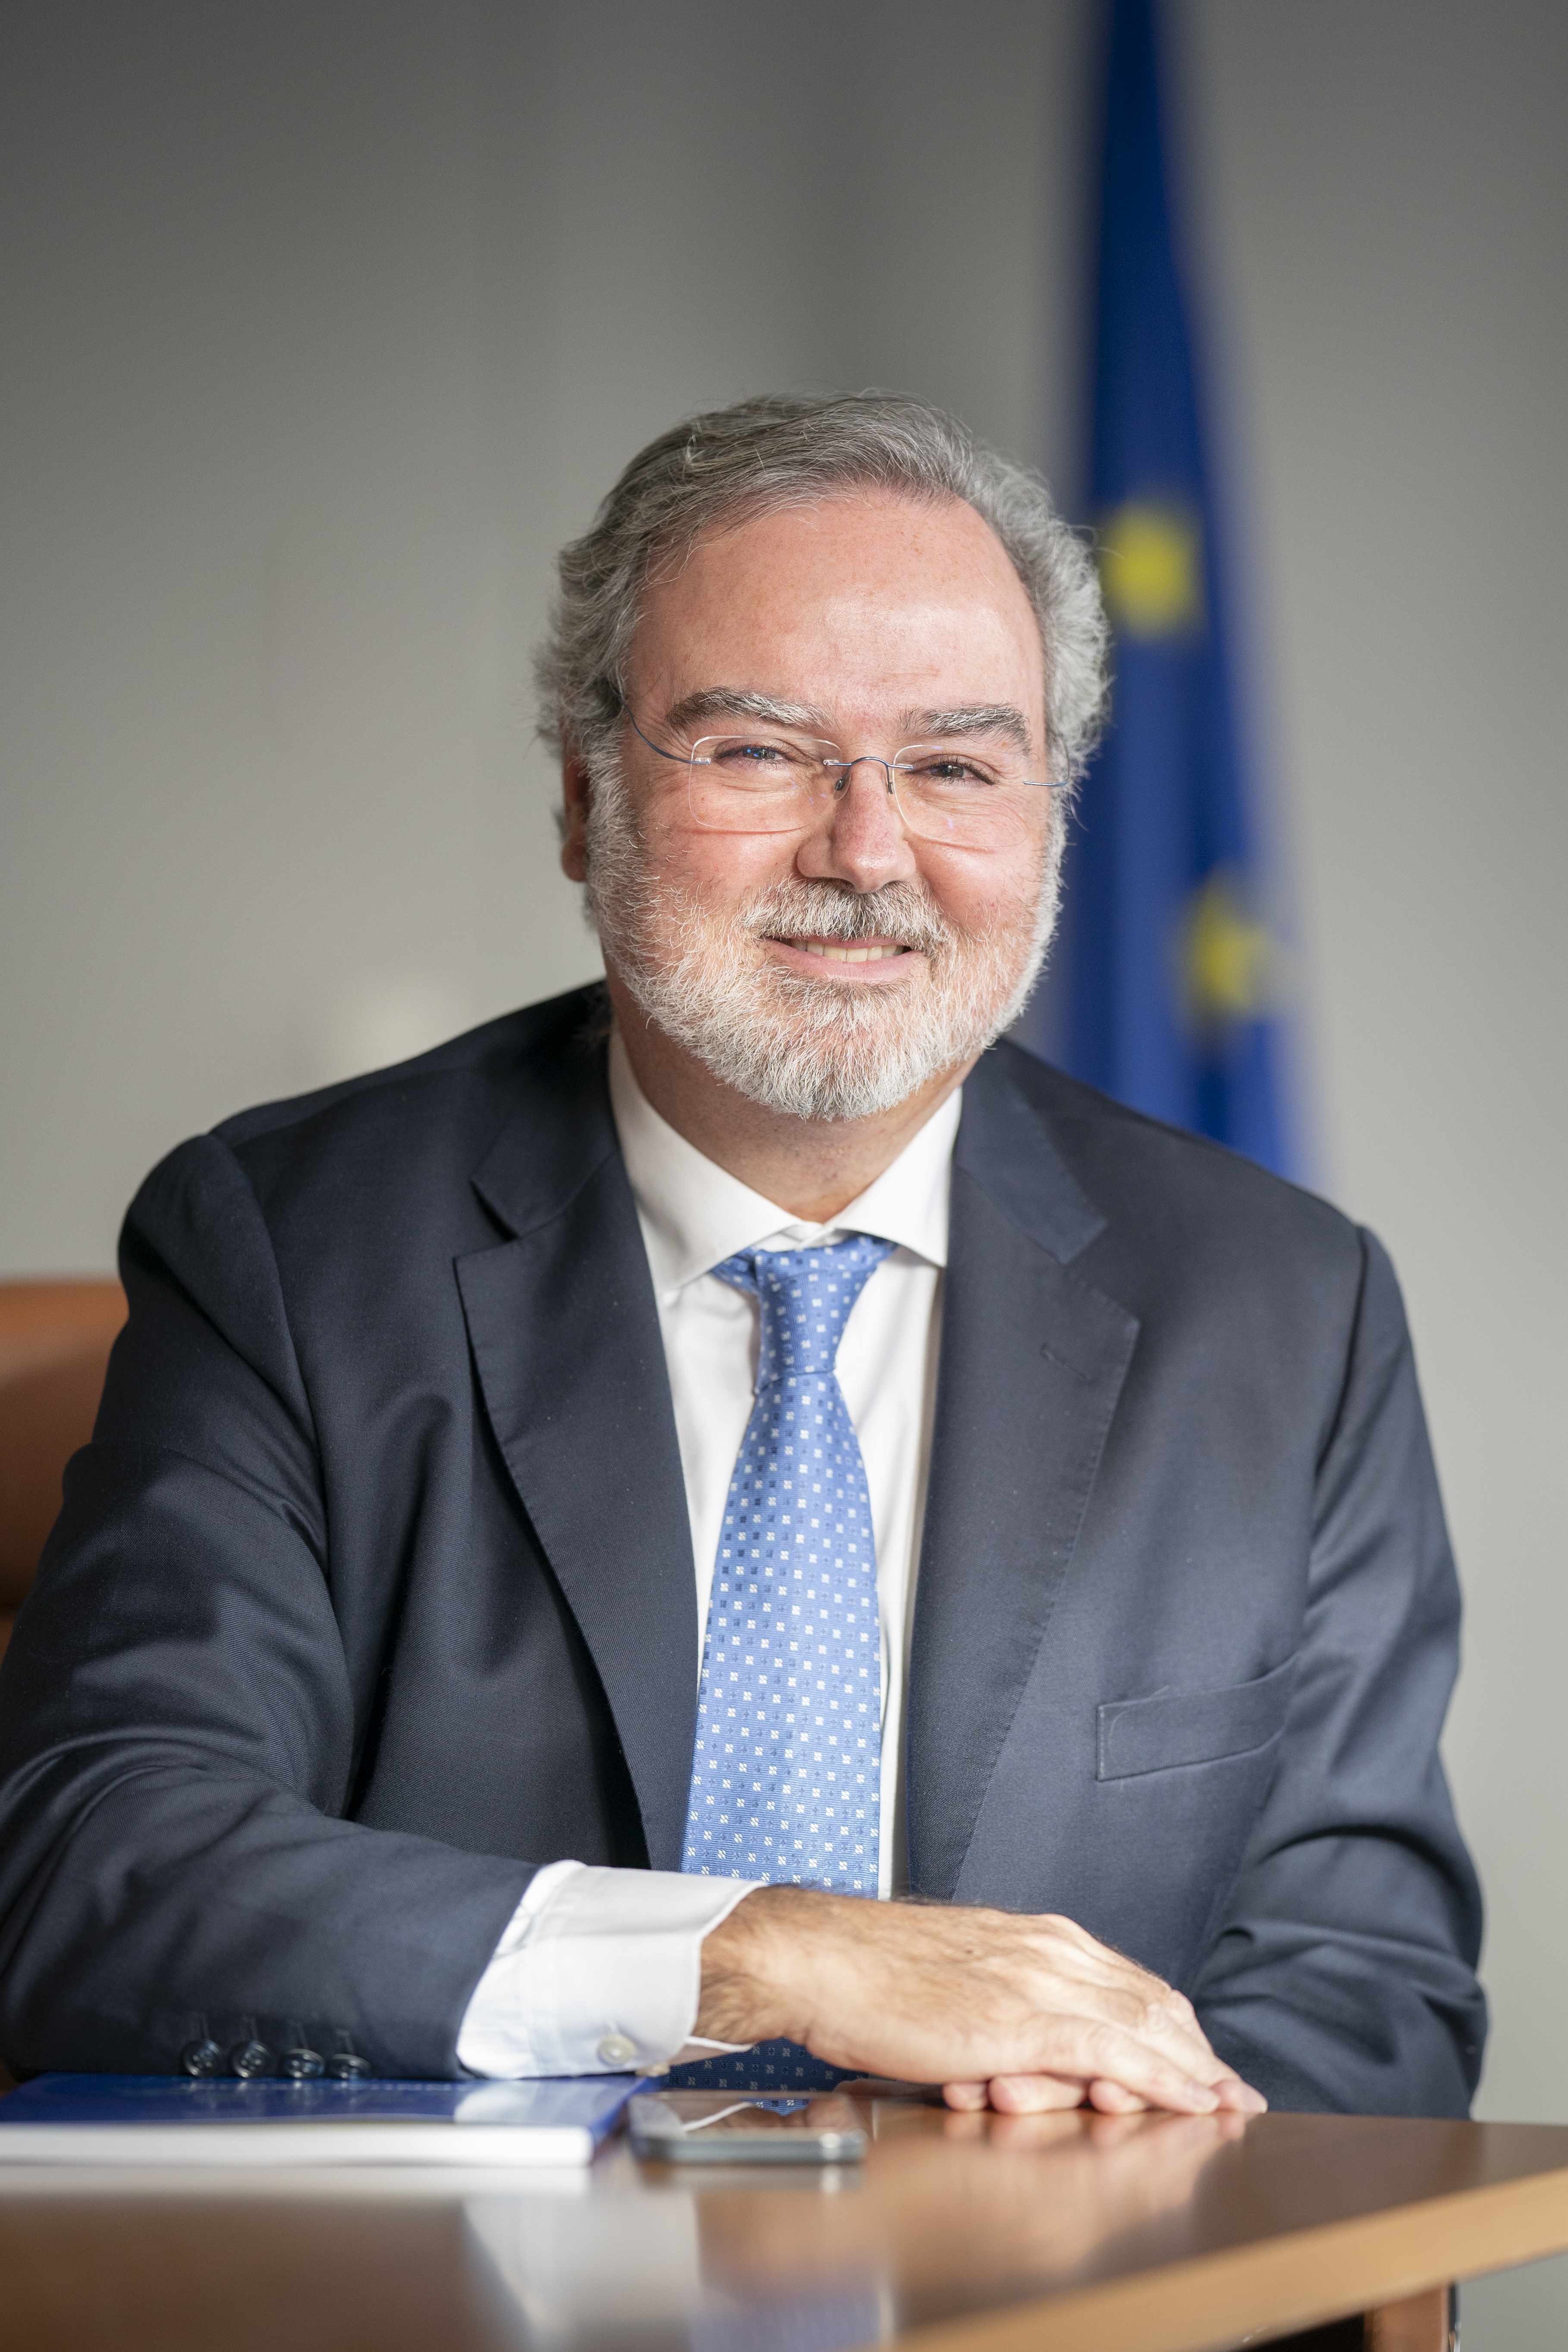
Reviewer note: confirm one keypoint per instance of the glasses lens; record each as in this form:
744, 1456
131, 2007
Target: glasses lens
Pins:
763, 782
969, 799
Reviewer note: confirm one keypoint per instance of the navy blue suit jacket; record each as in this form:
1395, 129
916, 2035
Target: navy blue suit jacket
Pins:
374, 1591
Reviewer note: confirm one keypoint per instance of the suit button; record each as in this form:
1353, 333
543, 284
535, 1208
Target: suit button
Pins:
203, 2057
303, 2065
614, 2049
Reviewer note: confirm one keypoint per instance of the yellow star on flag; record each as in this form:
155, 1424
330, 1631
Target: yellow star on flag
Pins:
1149, 570
1229, 961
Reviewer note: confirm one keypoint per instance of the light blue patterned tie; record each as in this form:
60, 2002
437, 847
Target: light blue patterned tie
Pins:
786, 1772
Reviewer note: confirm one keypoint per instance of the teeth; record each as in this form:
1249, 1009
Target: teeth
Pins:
848, 955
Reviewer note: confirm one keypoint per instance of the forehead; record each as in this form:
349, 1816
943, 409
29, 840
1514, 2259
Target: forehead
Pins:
858, 605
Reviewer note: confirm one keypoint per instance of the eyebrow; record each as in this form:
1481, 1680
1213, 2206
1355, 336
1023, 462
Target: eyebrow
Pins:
739, 702
974, 718
1002, 718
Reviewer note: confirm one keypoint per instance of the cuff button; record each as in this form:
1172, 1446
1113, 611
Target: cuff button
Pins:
614, 2049
250, 2059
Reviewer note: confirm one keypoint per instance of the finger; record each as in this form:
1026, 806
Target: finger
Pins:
1081, 1974
964, 2096
1239, 2098
1183, 2042
1179, 2041
1034, 2094
1098, 2051
1113, 2099
1168, 2021
1142, 2001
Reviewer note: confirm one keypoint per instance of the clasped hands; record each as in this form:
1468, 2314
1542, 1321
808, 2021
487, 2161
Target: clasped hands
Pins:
1017, 2012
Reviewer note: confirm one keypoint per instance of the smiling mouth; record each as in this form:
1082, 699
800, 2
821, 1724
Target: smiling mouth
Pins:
846, 950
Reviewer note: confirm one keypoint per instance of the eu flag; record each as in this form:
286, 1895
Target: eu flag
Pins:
1171, 971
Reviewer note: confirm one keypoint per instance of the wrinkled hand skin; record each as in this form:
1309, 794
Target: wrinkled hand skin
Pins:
1013, 2011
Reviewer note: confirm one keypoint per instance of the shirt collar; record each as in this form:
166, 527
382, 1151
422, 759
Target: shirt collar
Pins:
694, 1215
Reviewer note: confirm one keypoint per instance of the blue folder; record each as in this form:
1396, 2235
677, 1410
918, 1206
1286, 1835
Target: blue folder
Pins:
169, 2119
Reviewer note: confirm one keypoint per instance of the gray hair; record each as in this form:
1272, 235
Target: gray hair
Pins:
764, 454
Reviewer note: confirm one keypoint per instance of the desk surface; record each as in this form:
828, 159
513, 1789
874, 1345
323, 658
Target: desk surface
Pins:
962, 2233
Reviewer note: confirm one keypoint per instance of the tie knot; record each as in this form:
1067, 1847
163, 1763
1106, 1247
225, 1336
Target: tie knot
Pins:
806, 1296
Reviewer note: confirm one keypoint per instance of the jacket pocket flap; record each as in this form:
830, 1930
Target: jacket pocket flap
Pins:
1150, 1735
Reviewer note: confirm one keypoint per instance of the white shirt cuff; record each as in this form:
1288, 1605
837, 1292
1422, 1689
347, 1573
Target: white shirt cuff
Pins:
599, 1972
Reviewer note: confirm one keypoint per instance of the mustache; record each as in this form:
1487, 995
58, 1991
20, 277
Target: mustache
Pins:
825, 910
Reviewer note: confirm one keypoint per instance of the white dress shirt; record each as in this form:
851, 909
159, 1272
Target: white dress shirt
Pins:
601, 1968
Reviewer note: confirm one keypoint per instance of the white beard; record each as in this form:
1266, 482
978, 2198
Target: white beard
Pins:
814, 1048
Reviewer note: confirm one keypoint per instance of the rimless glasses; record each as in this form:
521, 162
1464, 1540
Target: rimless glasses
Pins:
970, 793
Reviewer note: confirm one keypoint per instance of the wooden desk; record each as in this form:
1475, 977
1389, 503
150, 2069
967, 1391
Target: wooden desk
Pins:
960, 2235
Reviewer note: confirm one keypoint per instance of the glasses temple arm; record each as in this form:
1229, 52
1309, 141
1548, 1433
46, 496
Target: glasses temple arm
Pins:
680, 756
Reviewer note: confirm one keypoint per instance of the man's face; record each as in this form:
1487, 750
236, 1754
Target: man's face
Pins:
833, 970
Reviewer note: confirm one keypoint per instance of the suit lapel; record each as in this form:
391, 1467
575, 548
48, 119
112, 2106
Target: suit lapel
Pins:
565, 1338
1033, 1358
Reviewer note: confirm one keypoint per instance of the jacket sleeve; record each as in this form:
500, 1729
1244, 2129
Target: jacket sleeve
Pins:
178, 1728
1343, 1975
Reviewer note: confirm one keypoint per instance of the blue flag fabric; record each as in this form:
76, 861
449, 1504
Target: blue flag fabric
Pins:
1173, 974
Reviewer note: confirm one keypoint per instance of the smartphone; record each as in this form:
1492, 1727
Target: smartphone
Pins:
745, 2128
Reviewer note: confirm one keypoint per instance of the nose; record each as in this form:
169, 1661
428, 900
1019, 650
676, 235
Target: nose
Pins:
864, 842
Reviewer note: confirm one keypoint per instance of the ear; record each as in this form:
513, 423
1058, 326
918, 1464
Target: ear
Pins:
575, 789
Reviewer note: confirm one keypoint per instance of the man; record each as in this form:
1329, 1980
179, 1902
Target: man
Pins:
576, 1518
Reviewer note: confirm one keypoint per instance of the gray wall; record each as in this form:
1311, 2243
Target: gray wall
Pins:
327, 319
